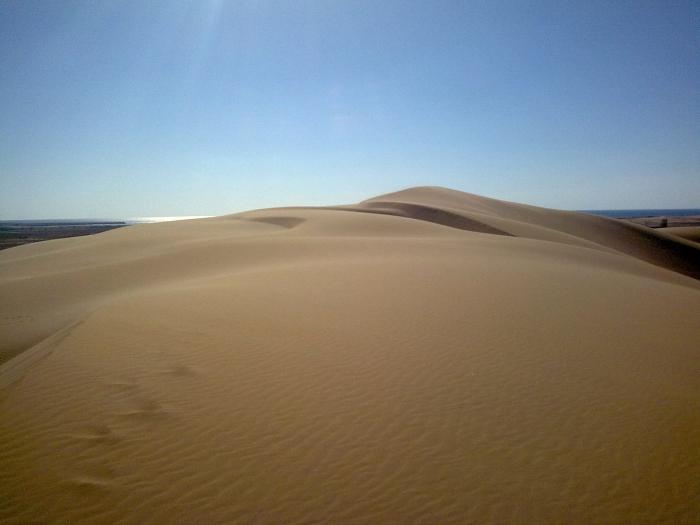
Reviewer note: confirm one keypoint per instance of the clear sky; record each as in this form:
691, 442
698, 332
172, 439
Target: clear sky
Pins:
135, 108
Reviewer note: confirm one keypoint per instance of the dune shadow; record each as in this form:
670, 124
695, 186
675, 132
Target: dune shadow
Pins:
428, 214
284, 222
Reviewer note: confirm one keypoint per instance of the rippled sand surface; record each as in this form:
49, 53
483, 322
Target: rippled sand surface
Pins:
428, 356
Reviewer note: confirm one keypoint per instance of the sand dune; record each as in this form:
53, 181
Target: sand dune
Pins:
427, 356
691, 233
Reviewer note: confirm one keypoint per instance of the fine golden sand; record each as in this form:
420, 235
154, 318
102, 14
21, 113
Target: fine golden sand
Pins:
428, 356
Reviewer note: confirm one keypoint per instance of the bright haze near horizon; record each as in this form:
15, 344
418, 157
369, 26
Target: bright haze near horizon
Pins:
133, 108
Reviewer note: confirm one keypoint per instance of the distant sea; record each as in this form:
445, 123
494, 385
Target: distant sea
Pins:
635, 214
136, 220
47, 223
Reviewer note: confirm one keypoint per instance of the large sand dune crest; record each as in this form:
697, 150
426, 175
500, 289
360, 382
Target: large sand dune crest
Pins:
426, 356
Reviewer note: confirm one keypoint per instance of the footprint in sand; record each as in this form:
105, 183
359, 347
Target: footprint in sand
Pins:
181, 371
146, 408
98, 479
98, 435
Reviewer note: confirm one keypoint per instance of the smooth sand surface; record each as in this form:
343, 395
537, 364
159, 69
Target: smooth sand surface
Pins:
428, 356
692, 233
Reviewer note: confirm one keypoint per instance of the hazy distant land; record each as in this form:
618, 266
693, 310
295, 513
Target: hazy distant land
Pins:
18, 232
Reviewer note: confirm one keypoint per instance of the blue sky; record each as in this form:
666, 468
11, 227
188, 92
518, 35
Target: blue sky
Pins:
132, 108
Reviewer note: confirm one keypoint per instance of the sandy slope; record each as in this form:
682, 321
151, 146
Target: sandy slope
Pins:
428, 356
691, 233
